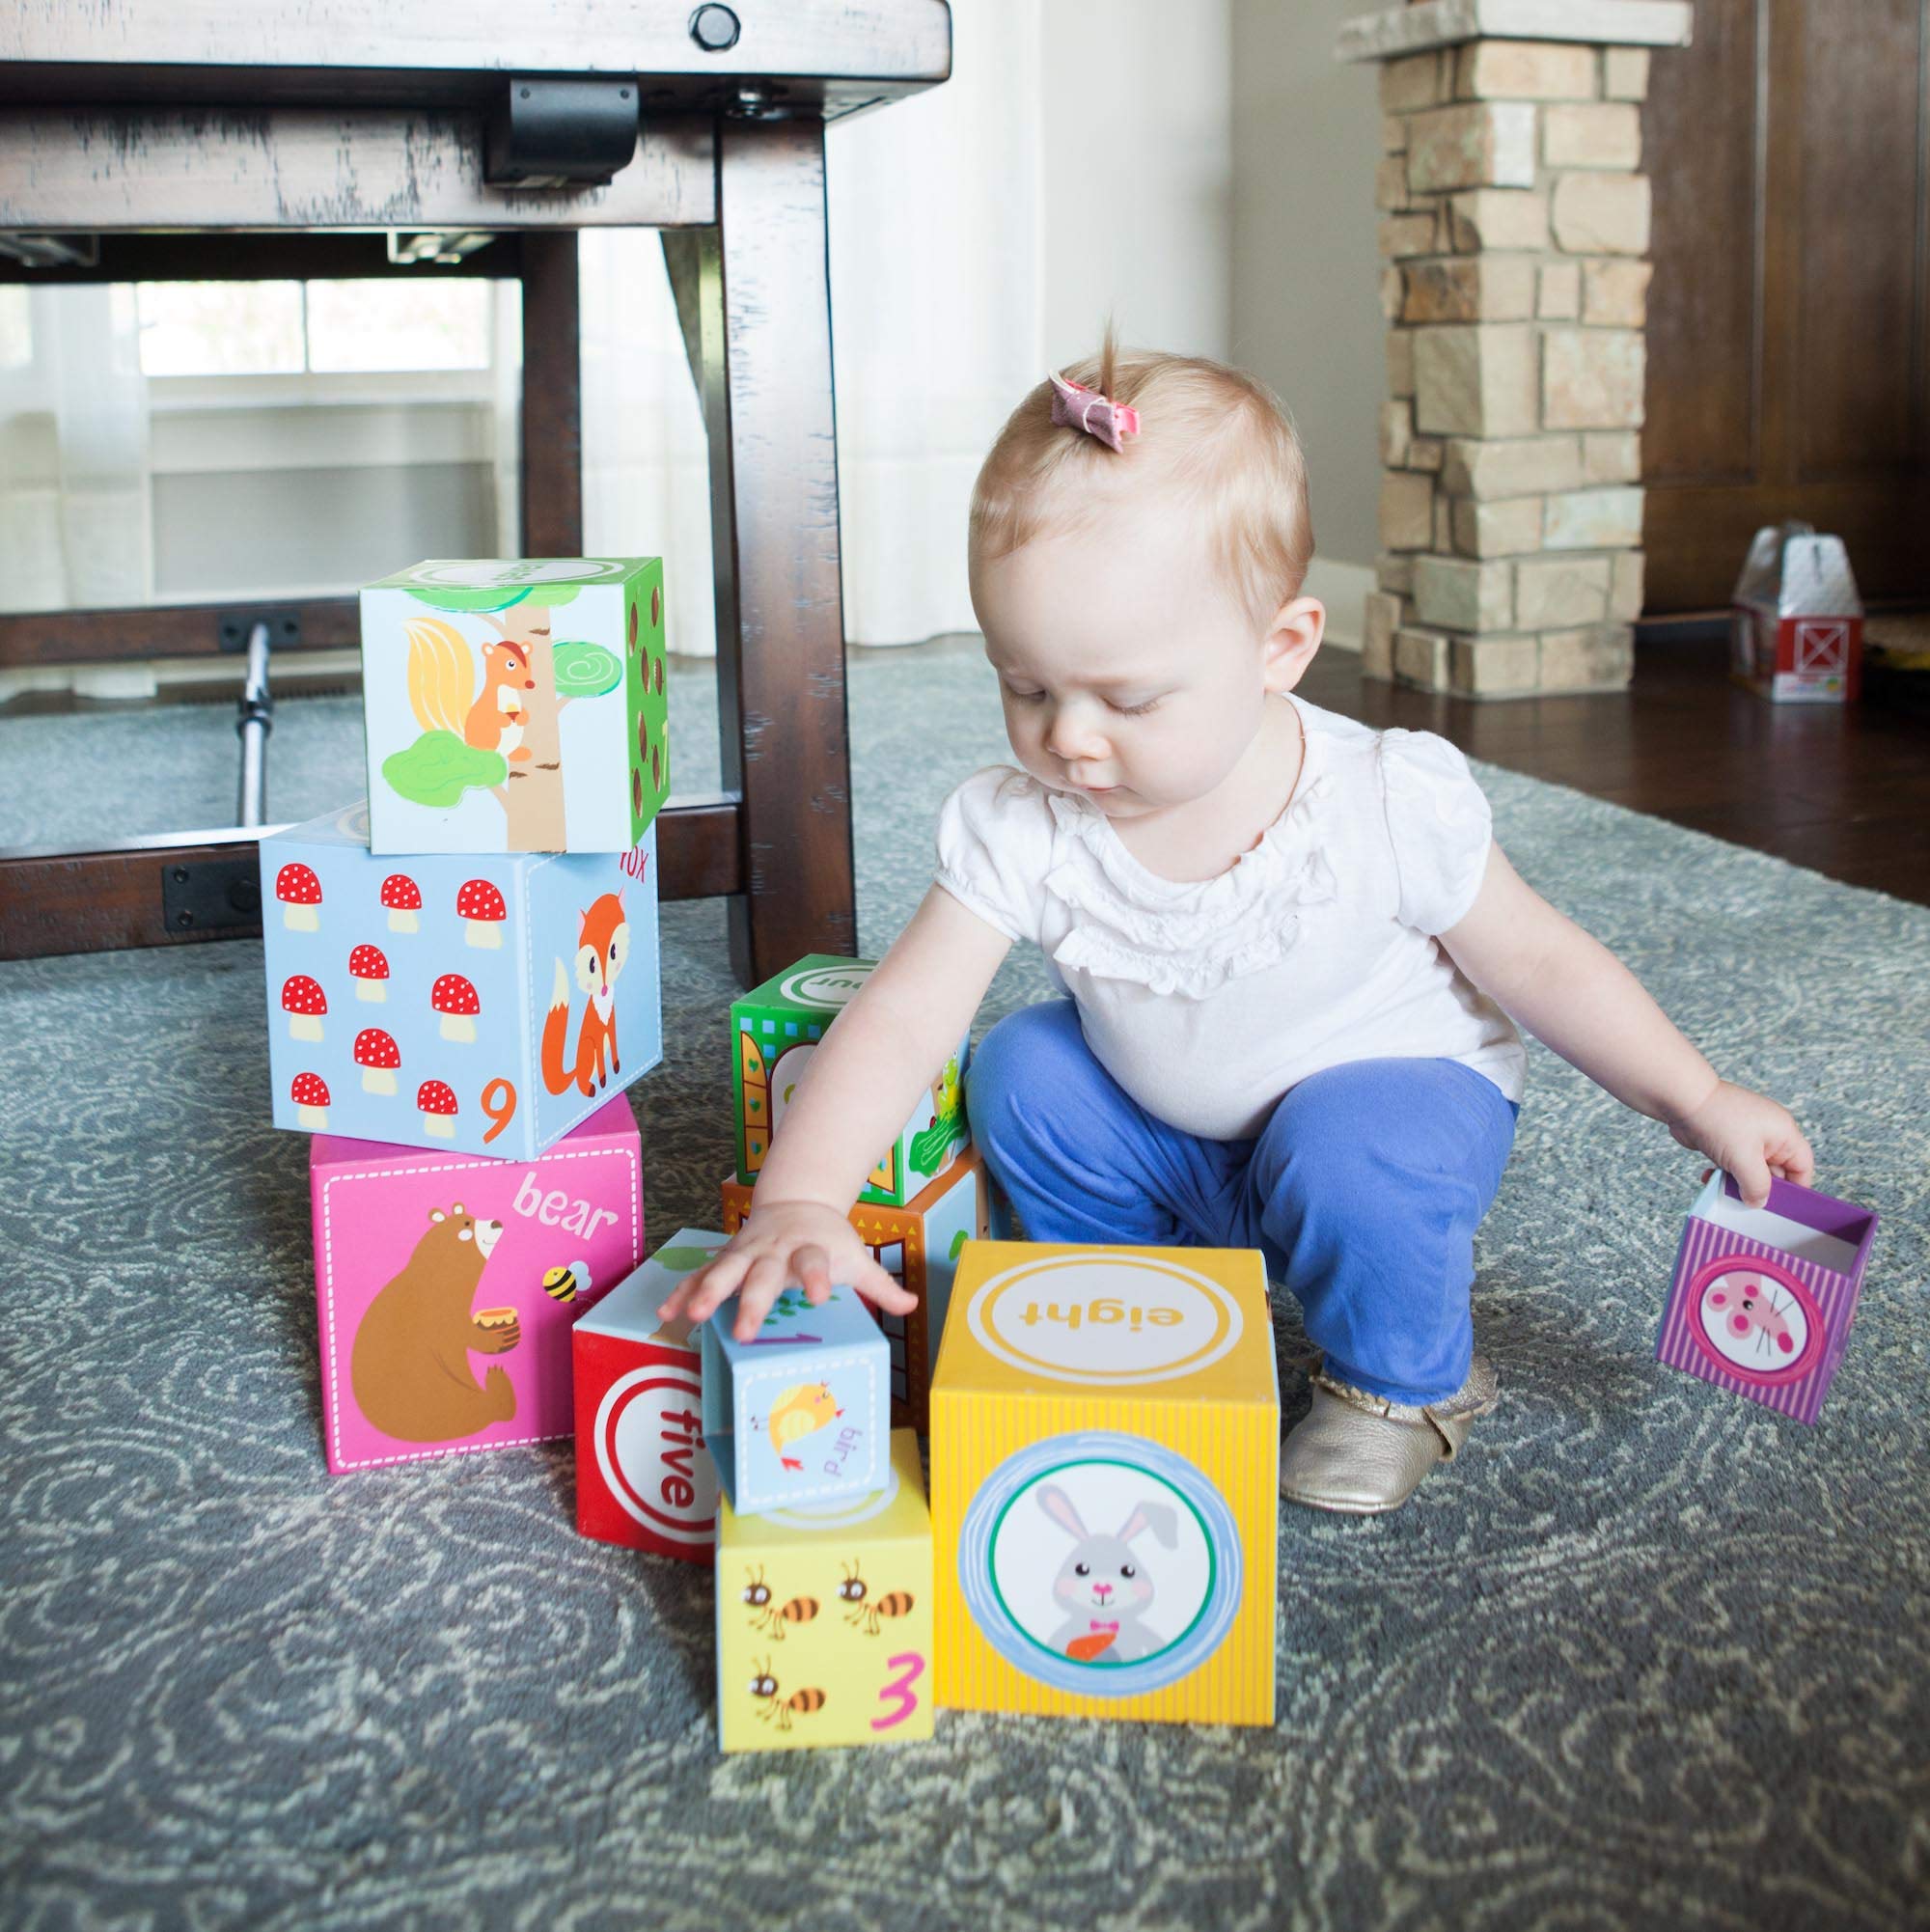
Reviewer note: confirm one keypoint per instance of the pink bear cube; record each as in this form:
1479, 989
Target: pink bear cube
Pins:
446, 1285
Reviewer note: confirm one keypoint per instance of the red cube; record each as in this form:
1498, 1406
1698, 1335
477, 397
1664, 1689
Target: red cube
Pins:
644, 1477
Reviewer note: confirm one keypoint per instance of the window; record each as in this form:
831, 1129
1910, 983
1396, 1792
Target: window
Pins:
280, 328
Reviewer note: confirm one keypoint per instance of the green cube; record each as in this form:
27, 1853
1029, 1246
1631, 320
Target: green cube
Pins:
777, 1026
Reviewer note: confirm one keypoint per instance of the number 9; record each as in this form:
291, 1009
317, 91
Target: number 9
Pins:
499, 1102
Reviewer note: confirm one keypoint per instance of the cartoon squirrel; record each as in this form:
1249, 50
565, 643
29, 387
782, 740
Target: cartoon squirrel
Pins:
410, 1363
495, 721
601, 949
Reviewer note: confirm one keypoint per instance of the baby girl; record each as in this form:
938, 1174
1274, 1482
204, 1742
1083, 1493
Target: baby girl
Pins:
1291, 954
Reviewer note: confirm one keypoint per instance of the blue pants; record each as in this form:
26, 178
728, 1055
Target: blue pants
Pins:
1362, 1191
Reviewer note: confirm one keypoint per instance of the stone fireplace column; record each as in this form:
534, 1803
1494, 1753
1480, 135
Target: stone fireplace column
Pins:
1515, 228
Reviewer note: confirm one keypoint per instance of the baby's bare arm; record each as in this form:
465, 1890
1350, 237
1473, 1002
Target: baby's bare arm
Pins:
1574, 995
860, 1084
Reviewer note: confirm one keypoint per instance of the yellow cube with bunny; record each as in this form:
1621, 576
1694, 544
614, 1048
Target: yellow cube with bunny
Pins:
1104, 1443
824, 1619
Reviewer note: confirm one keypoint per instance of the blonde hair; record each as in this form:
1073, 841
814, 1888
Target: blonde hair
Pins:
1214, 439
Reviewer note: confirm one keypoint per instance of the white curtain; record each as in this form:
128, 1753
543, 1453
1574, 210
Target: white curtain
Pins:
74, 521
937, 322
1078, 163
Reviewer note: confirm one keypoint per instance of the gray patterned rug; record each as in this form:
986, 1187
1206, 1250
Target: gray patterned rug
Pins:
1647, 1656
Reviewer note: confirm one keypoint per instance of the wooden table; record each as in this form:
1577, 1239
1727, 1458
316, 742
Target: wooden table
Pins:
289, 141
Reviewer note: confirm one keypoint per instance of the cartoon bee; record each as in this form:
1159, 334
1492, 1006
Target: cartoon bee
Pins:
770, 1617
856, 1592
561, 1284
766, 1688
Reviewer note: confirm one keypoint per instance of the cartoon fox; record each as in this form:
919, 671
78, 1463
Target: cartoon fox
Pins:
496, 720
601, 949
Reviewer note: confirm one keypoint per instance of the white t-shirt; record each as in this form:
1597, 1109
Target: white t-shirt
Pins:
1207, 1000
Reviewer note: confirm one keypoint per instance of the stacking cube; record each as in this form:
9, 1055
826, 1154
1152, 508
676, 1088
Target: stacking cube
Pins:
824, 1619
777, 1025
1763, 1297
1105, 1451
802, 1412
446, 1284
918, 1243
516, 706
482, 1005
644, 1477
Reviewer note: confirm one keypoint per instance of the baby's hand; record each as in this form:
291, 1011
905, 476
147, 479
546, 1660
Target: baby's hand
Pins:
1748, 1135
784, 1242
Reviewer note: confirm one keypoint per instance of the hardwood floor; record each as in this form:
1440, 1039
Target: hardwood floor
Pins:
1844, 789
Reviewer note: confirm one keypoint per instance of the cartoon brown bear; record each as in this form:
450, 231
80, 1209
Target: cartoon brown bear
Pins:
410, 1363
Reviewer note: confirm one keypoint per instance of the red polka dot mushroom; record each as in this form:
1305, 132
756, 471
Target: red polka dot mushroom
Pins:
436, 1101
403, 898
370, 971
304, 1002
379, 1056
310, 1094
300, 893
455, 999
482, 906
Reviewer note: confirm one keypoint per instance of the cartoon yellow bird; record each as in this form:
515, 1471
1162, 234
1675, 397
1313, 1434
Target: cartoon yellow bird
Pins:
799, 1412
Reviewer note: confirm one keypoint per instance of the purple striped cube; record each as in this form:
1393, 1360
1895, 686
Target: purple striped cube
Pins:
1763, 1297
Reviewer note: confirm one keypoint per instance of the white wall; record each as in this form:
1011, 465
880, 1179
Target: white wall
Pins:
1305, 266
1138, 160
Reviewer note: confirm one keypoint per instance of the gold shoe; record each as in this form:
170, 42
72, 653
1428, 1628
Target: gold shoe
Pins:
1362, 1455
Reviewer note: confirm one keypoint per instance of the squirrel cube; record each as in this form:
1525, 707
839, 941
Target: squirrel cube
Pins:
515, 705
516, 995
824, 1619
1763, 1298
446, 1285
801, 1413
919, 1244
644, 1477
777, 1027
1105, 1459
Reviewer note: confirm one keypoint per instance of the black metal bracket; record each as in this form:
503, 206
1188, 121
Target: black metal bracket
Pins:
560, 133
284, 630
213, 895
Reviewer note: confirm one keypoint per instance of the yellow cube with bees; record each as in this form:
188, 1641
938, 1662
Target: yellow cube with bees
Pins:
1104, 1457
824, 1619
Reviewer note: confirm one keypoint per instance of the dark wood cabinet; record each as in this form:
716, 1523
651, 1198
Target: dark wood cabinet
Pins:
1789, 351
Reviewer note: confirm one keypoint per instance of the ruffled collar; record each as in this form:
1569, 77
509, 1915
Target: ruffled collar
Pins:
1189, 936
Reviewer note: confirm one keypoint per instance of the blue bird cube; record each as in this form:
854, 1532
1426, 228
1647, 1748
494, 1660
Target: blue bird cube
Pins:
801, 1414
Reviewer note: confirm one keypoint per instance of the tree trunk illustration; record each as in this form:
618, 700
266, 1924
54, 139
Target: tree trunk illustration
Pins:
532, 794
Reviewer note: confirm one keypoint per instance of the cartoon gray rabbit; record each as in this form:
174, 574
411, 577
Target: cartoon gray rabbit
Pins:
1103, 1588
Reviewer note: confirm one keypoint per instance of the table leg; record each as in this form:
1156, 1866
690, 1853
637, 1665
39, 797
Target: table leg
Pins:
754, 294
552, 413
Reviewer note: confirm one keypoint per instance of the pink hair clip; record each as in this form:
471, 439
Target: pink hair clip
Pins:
1077, 407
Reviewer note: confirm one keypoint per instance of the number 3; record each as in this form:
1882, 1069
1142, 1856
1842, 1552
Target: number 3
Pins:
900, 1689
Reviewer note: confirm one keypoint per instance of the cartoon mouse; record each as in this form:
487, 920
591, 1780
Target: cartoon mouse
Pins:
1744, 1303
1103, 1586
409, 1366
